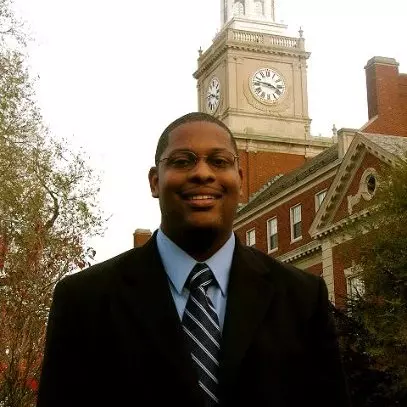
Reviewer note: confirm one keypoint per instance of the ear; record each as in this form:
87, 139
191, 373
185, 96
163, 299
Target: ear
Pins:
153, 179
241, 181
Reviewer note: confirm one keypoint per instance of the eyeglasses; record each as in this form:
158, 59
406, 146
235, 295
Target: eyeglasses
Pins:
187, 160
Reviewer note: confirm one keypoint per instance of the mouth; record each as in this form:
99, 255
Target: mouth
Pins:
199, 197
201, 201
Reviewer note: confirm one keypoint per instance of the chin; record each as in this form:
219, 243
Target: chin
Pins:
206, 222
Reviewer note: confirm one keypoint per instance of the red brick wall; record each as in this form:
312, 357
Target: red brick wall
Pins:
316, 269
258, 168
282, 212
341, 261
370, 161
403, 84
386, 95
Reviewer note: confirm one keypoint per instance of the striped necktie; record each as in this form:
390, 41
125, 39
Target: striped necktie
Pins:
201, 325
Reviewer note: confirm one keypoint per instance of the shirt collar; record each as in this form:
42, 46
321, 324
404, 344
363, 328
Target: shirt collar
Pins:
178, 264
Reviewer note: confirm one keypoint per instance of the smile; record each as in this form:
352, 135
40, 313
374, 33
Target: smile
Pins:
200, 197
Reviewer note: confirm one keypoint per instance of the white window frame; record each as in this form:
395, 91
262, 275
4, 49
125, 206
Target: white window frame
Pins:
248, 236
295, 239
269, 221
354, 284
317, 195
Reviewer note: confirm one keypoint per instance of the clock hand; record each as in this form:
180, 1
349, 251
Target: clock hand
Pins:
269, 85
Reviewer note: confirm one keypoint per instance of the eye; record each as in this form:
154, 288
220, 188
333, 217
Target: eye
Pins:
181, 161
220, 160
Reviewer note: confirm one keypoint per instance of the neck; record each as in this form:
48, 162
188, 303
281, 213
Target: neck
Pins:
200, 244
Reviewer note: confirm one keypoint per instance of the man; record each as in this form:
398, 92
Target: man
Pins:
193, 318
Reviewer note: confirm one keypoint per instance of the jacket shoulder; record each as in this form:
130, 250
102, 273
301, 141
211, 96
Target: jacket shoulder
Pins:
99, 275
287, 274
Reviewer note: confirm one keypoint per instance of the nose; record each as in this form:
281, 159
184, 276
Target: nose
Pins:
202, 172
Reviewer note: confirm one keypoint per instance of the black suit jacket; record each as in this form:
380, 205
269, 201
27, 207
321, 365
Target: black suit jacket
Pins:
114, 338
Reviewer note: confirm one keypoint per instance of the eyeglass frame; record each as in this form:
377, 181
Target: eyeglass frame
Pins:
199, 157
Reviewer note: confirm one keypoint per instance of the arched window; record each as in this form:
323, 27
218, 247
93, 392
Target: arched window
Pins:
238, 8
259, 8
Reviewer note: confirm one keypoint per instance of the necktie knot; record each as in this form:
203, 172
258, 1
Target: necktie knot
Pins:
201, 276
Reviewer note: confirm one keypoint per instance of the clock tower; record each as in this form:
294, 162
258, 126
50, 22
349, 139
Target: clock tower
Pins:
254, 78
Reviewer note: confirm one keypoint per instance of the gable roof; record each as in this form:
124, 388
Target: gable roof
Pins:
279, 183
396, 145
388, 149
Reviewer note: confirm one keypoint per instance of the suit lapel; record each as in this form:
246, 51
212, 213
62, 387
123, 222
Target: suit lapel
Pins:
249, 297
145, 292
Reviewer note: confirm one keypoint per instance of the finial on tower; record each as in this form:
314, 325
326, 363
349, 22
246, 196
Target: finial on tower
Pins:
301, 32
200, 51
334, 130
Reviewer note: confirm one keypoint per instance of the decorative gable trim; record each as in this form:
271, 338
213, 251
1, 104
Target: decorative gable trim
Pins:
336, 193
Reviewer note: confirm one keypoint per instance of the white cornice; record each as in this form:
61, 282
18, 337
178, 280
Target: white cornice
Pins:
299, 252
284, 140
251, 42
340, 224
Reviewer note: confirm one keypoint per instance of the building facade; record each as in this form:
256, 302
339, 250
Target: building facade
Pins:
299, 191
301, 217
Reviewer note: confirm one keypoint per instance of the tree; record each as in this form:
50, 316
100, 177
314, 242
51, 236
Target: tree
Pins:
48, 209
369, 384
378, 315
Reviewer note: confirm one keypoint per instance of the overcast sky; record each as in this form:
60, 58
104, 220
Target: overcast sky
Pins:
113, 74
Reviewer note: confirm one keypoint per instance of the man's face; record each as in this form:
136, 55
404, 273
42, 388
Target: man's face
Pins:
202, 197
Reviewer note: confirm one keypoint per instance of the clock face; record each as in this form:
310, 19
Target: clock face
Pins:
213, 95
267, 85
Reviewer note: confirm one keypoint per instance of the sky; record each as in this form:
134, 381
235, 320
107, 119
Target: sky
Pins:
113, 74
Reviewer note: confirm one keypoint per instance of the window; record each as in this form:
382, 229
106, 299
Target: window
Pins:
319, 198
371, 184
354, 283
238, 8
355, 287
258, 8
272, 241
295, 220
251, 237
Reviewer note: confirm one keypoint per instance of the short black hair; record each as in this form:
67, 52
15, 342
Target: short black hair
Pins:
188, 118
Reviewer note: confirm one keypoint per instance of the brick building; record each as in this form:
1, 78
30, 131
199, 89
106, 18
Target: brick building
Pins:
299, 217
298, 190
387, 97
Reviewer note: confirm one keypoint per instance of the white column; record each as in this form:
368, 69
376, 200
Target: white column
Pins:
328, 268
230, 10
269, 10
247, 7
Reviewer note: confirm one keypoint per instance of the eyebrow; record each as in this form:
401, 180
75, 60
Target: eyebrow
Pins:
186, 150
